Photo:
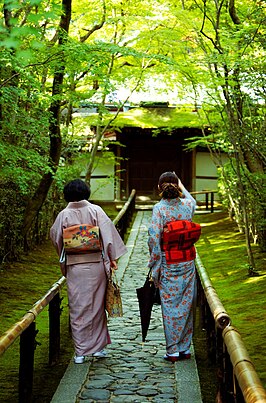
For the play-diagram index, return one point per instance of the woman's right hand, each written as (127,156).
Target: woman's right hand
(180,184)
(114,265)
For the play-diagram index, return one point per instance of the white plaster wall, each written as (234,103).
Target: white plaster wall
(102,189)
(102,179)
(206,173)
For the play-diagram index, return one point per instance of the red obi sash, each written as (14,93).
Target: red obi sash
(178,241)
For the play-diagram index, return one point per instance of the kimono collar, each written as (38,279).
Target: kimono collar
(170,201)
(79,204)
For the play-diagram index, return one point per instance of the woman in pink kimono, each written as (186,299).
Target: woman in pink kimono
(176,281)
(87,273)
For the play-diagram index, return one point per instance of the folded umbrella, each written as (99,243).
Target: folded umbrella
(148,295)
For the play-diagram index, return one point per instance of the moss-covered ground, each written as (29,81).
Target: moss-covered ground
(21,285)
(222,251)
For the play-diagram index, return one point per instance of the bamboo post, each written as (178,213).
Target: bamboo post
(207,200)
(27,347)
(212,202)
(54,329)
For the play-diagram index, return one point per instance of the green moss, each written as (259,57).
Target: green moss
(154,118)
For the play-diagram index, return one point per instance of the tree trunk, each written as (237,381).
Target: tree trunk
(37,200)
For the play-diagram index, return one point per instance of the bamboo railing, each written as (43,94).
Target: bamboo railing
(238,378)
(243,367)
(7,339)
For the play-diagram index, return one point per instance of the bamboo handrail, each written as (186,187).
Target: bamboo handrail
(244,370)
(125,207)
(15,331)
(200,192)
(218,311)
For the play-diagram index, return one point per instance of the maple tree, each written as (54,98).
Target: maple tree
(56,54)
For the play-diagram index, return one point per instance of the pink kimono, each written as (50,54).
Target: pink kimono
(86,275)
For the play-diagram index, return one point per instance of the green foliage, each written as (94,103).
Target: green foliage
(22,166)
(255,199)
(11,213)
(200,53)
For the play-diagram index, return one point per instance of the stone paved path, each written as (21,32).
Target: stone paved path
(134,371)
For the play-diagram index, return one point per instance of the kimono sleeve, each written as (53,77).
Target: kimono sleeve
(113,244)
(56,234)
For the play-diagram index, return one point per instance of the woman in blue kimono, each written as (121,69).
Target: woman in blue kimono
(176,280)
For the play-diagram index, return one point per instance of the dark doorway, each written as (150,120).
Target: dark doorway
(146,157)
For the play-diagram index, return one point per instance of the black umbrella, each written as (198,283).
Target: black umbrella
(147,295)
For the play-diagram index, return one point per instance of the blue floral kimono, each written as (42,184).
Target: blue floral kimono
(175,281)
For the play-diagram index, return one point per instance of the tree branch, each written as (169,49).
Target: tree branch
(232,12)
(96,26)
(215,45)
